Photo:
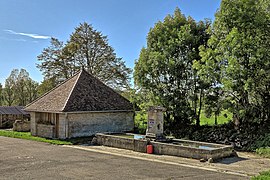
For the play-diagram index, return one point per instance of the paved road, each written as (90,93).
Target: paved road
(23,159)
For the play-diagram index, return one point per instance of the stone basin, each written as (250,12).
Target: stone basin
(174,147)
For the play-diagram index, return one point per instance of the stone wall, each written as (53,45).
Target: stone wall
(191,152)
(21,126)
(122,142)
(87,124)
(46,131)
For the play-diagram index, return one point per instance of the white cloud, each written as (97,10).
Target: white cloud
(35,36)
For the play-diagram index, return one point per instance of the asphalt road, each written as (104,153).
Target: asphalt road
(23,159)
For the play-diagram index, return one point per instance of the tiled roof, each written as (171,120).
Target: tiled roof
(12,110)
(82,92)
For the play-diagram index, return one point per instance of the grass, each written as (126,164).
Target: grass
(263,176)
(265,152)
(28,136)
(221,118)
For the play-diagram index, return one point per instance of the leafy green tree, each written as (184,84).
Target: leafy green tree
(165,67)
(10,87)
(142,99)
(19,89)
(53,62)
(237,57)
(46,85)
(20,84)
(86,48)
(31,90)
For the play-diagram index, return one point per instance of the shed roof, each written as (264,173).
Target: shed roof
(82,92)
(12,110)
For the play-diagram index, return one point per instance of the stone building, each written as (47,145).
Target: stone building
(81,106)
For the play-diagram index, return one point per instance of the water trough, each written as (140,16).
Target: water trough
(174,147)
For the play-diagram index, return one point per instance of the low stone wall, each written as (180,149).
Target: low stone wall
(121,142)
(44,130)
(21,126)
(189,150)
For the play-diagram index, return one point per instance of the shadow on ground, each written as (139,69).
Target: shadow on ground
(231,160)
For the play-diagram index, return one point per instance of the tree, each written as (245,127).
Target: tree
(165,67)
(31,90)
(53,62)
(19,89)
(237,57)
(89,49)
(10,87)
(46,85)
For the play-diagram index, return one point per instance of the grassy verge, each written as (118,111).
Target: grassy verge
(263,176)
(265,152)
(28,136)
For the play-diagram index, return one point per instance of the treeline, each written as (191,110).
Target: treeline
(19,89)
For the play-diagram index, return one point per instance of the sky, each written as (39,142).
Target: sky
(26,26)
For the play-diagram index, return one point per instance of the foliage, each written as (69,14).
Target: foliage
(86,48)
(46,85)
(263,176)
(19,89)
(164,67)
(28,136)
(237,58)
(247,137)
(53,65)
(142,100)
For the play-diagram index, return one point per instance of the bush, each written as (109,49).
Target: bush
(248,137)
(140,123)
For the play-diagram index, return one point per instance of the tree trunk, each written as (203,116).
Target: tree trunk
(200,109)
(215,119)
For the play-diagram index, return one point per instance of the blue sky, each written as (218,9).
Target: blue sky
(27,25)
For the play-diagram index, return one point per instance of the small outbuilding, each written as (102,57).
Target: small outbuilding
(81,106)
(9,114)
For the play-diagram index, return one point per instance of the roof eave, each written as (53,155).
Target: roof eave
(78,112)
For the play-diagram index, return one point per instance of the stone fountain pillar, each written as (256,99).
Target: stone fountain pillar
(155,122)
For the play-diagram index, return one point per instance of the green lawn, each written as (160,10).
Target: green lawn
(221,118)
(27,135)
(263,176)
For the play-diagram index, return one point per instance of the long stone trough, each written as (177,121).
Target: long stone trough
(176,147)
